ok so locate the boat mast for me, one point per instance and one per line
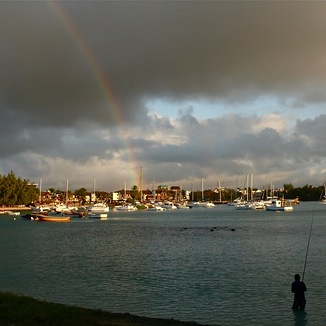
(202, 189)
(40, 195)
(251, 187)
(67, 191)
(154, 191)
(192, 190)
(94, 195)
(219, 190)
(247, 187)
(141, 184)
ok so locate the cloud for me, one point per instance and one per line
(77, 78)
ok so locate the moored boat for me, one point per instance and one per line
(126, 208)
(98, 208)
(182, 206)
(209, 205)
(156, 208)
(322, 199)
(243, 206)
(258, 205)
(169, 205)
(98, 216)
(41, 209)
(60, 208)
(12, 213)
(47, 218)
(278, 205)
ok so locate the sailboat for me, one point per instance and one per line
(244, 204)
(99, 209)
(322, 199)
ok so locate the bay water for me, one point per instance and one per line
(215, 266)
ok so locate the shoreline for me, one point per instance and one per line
(22, 310)
(15, 208)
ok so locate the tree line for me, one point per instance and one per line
(16, 191)
(288, 191)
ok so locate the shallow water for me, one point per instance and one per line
(182, 264)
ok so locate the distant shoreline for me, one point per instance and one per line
(15, 208)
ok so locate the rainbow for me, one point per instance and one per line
(112, 102)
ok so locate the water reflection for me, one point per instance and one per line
(300, 318)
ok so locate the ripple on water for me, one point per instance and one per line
(188, 266)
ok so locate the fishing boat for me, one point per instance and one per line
(278, 205)
(47, 218)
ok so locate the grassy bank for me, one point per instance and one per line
(16, 310)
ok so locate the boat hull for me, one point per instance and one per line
(102, 216)
(57, 219)
(279, 209)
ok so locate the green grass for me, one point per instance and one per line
(17, 310)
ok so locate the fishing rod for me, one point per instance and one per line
(305, 262)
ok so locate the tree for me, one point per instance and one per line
(81, 194)
(15, 191)
(135, 193)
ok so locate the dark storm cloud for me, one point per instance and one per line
(73, 71)
(150, 49)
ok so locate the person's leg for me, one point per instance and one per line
(303, 305)
(295, 305)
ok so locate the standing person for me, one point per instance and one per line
(298, 288)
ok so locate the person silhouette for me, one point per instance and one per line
(298, 288)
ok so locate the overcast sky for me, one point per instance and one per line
(186, 90)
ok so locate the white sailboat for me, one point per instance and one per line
(98, 208)
(322, 199)
(244, 204)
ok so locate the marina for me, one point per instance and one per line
(217, 266)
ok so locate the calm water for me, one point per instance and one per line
(184, 264)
